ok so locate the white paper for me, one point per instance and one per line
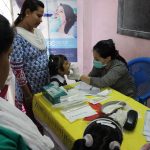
(84, 86)
(97, 99)
(147, 121)
(78, 112)
(146, 131)
(73, 97)
(147, 138)
(90, 90)
(73, 94)
(104, 93)
(110, 108)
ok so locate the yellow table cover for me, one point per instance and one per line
(69, 132)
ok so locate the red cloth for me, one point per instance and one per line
(4, 92)
(98, 108)
(19, 73)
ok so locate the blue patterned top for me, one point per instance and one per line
(30, 66)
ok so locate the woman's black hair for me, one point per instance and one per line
(106, 48)
(70, 17)
(32, 5)
(6, 34)
(106, 134)
(55, 63)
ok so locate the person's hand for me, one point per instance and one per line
(74, 73)
(146, 146)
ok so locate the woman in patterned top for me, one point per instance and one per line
(29, 59)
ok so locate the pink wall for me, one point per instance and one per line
(98, 21)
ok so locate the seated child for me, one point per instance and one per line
(58, 67)
(101, 134)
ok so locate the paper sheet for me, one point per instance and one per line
(146, 131)
(88, 88)
(78, 112)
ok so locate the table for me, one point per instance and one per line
(68, 132)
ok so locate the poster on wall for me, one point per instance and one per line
(59, 26)
(62, 28)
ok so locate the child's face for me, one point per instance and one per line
(66, 67)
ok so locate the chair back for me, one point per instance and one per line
(139, 68)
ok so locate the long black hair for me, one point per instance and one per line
(70, 17)
(32, 5)
(6, 34)
(101, 134)
(106, 48)
(55, 63)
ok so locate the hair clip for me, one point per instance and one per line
(88, 140)
(113, 145)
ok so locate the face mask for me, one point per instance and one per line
(98, 64)
(55, 24)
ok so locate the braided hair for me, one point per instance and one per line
(55, 63)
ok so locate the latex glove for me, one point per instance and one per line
(74, 73)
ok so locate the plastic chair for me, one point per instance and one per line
(139, 68)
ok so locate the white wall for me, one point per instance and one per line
(5, 9)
